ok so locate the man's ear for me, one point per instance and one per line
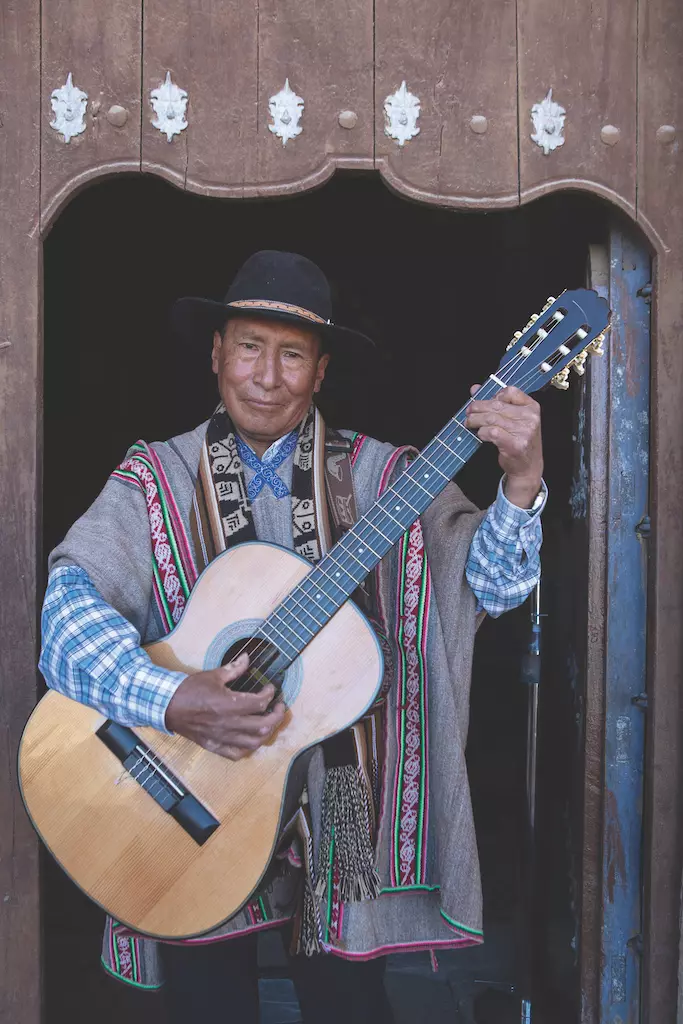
(215, 353)
(320, 375)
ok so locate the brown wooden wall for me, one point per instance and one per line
(611, 66)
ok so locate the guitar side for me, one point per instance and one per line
(114, 840)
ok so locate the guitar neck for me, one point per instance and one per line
(313, 602)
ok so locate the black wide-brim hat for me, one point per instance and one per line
(276, 286)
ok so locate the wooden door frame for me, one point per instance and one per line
(20, 552)
(613, 480)
(20, 430)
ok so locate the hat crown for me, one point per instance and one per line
(282, 277)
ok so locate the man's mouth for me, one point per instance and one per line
(261, 405)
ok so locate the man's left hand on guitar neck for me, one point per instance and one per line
(512, 422)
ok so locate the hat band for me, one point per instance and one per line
(280, 307)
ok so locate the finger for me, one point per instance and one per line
(231, 753)
(507, 444)
(497, 419)
(474, 389)
(528, 408)
(229, 673)
(257, 725)
(513, 396)
(242, 702)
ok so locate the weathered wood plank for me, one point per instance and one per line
(99, 44)
(660, 210)
(325, 50)
(592, 436)
(628, 360)
(232, 57)
(19, 424)
(211, 51)
(460, 61)
(586, 53)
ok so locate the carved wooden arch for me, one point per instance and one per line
(327, 170)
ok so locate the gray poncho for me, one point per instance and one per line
(426, 854)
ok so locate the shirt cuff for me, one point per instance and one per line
(151, 689)
(524, 516)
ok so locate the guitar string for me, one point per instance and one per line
(270, 658)
(264, 646)
(342, 552)
(308, 581)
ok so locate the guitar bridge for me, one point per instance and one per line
(159, 781)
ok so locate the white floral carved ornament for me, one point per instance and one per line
(169, 103)
(286, 109)
(548, 119)
(402, 110)
(68, 105)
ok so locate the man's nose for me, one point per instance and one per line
(267, 373)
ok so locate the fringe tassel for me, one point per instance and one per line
(309, 933)
(346, 816)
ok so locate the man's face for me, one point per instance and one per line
(267, 374)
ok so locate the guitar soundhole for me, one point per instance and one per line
(266, 664)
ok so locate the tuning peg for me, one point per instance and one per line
(549, 302)
(515, 338)
(596, 345)
(561, 379)
(578, 364)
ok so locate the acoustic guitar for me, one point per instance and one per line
(172, 840)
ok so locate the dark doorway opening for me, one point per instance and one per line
(442, 293)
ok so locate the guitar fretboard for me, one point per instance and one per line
(313, 602)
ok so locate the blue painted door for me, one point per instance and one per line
(615, 411)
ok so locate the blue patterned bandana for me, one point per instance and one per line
(264, 469)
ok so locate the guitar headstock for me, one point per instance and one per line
(557, 339)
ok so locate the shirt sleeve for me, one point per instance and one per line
(92, 654)
(504, 564)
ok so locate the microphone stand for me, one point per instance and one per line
(531, 677)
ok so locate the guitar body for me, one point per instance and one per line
(114, 840)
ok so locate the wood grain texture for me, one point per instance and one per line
(586, 52)
(460, 60)
(113, 839)
(20, 317)
(660, 211)
(325, 49)
(592, 646)
(232, 58)
(100, 45)
(211, 51)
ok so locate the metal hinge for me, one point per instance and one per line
(644, 528)
(636, 944)
(640, 701)
(645, 292)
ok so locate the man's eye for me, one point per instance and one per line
(248, 345)
(293, 355)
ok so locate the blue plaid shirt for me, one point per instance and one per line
(93, 655)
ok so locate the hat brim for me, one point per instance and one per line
(196, 319)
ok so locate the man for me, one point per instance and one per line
(379, 853)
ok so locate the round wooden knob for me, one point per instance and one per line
(610, 135)
(478, 124)
(348, 119)
(117, 116)
(666, 133)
